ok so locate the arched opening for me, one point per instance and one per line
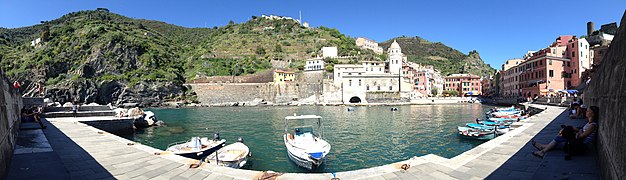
(355, 100)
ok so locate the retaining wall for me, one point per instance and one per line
(10, 105)
(216, 93)
(606, 90)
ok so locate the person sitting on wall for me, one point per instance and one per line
(28, 115)
(573, 136)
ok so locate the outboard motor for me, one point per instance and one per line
(216, 136)
(240, 139)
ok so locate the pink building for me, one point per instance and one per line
(554, 68)
(465, 84)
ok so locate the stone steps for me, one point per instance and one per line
(79, 114)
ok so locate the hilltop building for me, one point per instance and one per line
(365, 43)
(329, 52)
(314, 64)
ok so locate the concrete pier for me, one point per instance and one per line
(88, 152)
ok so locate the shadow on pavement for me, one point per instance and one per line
(67, 160)
(523, 165)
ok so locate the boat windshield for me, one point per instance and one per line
(303, 129)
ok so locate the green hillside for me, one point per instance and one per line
(444, 58)
(103, 57)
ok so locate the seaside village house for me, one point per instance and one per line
(549, 70)
(393, 79)
(281, 76)
(465, 84)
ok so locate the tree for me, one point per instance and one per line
(45, 34)
(260, 50)
(435, 91)
(278, 48)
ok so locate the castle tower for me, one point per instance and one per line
(395, 58)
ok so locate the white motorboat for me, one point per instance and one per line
(197, 148)
(305, 146)
(234, 155)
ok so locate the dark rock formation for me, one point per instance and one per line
(606, 90)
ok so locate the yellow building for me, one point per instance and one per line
(284, 76)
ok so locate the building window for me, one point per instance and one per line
(367, 87)
(551, 73)
(359, 82)
(550, 62)
(568, 64)
(390, 88)
(338, 74)
(573, 54)
(540, 62)
(581, 44)
(379, 88)
(349, 82)
(349, 73)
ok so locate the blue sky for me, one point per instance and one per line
(499, 30)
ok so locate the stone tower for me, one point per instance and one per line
(395, 58)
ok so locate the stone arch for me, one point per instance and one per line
(355, 99)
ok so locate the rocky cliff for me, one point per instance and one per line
(606, 90)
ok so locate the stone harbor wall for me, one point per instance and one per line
(228, 93)
(10, 105)
(384, 97)
(607, 90)
(118, 127)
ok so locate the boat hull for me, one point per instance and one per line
(233, 155)
(304, 162)
(201, 154)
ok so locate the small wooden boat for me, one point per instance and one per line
(197, 148)
(234, 155)
(476, 134)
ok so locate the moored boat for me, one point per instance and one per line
(234, 155)
(476, 134)
(305, 146)
(197, 148)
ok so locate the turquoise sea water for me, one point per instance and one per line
(366, 137)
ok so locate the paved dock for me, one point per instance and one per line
(84, 152)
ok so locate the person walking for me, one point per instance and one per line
(74, 108)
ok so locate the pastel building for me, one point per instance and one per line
(281, 76)
(509, 77)
(465, 84)
(425, 79)
(365, 43)
(551, 69)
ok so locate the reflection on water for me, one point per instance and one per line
(366, 137)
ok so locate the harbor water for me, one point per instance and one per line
(363, 138)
